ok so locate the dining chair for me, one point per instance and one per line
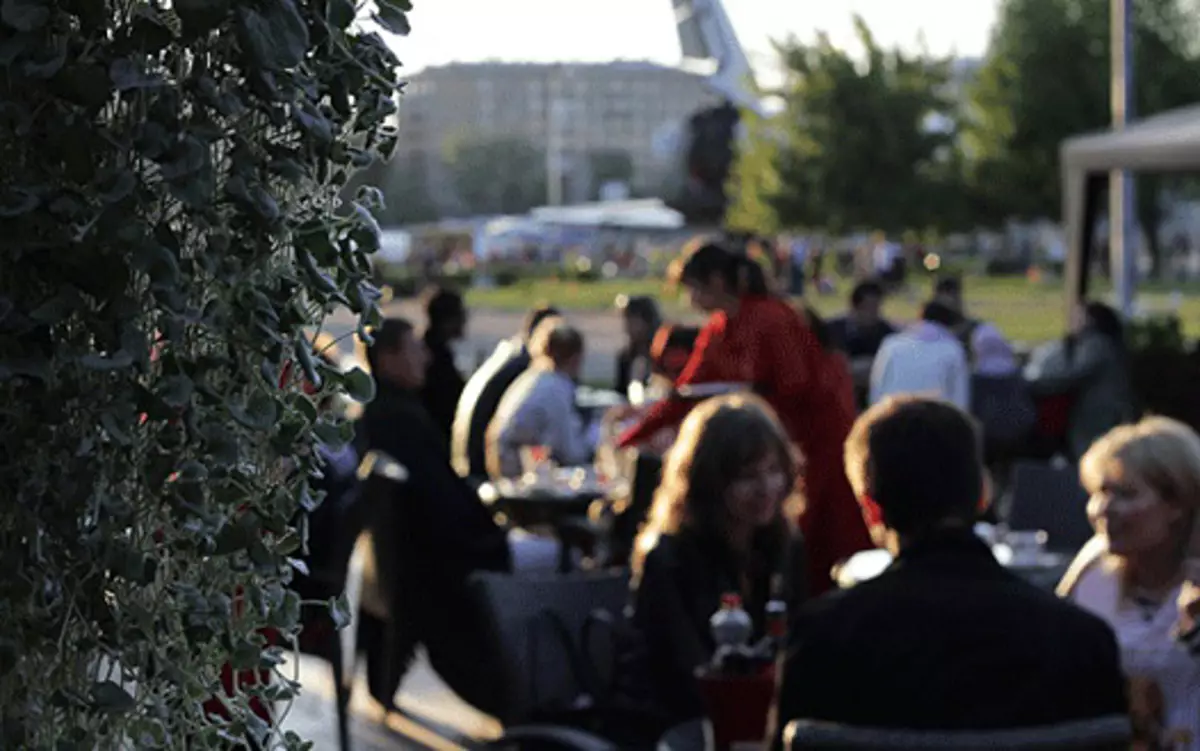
(1110, 733)
(1049, 498)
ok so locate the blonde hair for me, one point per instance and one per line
(716, 442)
(1165, 453)
(1162, 452)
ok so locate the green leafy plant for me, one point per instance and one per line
(170, 235)
(1162, 332)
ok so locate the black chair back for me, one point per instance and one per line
(1100, 734)
(1050, 498)
(538, 625)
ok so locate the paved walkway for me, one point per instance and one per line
(313, 714)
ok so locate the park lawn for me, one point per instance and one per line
(1026, 311)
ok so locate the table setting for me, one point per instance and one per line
(1021, 551)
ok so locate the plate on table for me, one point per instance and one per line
(716, 388)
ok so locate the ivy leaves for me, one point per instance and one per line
(392, 15)
(173, 237)
(272, 33)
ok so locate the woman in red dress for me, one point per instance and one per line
(756, 338)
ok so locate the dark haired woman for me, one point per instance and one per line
(642, 319)
(1090, 369)
(719, 524)
(753, 337)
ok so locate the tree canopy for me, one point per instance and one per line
(496, 175)
(862, 143)
(1046, 78)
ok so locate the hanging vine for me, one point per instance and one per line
(170, 235)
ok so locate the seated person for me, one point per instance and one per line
(431, 523)
(860, 333)
(720, 523)
(926, 358)
(539, 408)
(1144, 481)
(669, 353)
(946, 638)
(481, 396)
(641, 318)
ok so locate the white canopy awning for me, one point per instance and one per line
(1168, 142)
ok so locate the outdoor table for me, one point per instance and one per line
(557, 500)
(592, 400)
(1045, 570)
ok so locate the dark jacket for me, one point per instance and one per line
(680, 588)
(443, 386)
(626, 375)
(947, 639)
(430, 531)
(456, 528)
(477, 406)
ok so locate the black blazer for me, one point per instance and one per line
(947, 639)
(681, 585)
(443, 386)
(477, 406)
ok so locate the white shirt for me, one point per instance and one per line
(1148, 647)
(539, 410)
(925, 359)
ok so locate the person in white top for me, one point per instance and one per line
(925, 359)
(1141, 574)
(539, 408)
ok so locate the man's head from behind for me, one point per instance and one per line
(447, 314)
(866, 301)
(916, 466)
(948, 290)
(396, 356)
(557, 345)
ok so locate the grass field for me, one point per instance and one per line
(1026, 311)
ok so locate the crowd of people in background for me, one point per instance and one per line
(849, 434)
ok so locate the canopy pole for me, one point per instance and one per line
(1122, 201)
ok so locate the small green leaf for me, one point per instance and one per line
(116, 361)
(192, 471)
(127, 75)
(110, 697)
(339, 611)
(340, 13)
(360, 386)
(272, 34)
(245, 655)
(288, 544)
(15, 202)
(24, 15)
(176, 391)
(390, 14)
(366, 234)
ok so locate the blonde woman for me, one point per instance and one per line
(719, 524)
(1140, 573)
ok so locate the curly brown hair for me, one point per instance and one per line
(717, 441)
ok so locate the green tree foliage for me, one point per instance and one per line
(854, 147)
(1046, 78)
(167, 208)
(496, 175)
(754, 179)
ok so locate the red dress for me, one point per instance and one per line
(767, 343)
